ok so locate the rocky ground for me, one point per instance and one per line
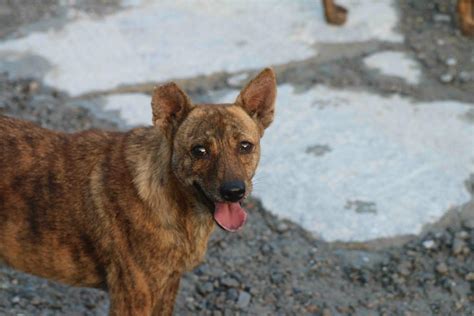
(273, 267)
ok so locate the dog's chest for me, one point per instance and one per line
(196, 226)
(196, 247)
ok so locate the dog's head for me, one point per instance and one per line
(216, 148)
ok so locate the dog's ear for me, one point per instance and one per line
(258, 97)
(170, 105)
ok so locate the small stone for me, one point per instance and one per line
(254, 291)
(35, 301)
(16, 299)
(442, 268)
(244, 299)
(429, 244)
(405, 268)
(446, 78)
(458, 246)
(326, 312)
(229, 282)
(441, 18)
(33, 86)
(451, 61)
(462, 235)
(282, 227)
(469, 277)
(469, 224)
(205, 288)
(311, 308)
(266, 249)
(276, 277)
(216, 313)
(232, 294)
(440, 42)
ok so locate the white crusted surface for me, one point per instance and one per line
(410, 160)
(397, 64)
(157, 41)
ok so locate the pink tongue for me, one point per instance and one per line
(230, 216)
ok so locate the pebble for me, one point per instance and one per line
(205, 288)
(458, 246)
(36, 301)
(16, 299)
(469, 276)
(229, 282)
(441, 18)
(326, 312)
(446, 78)
(451, 61)
(429, 244)
(266, 249)
(232, 294)
(282, 227)
(469, 224)
(244, 299)
(254, 291)
(442, 268)
(33, 87)
(462, 235)
(276, 277)
(405, 268)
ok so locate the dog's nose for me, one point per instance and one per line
(232, 191)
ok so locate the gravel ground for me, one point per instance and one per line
(274, 267)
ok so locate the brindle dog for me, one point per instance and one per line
(130, 212)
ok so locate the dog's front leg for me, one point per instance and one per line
(165, 304)
(129, 293)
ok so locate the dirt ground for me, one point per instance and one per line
(274, 267)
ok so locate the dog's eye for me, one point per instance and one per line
(246, 147)
(199, 151)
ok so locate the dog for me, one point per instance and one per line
(129, 212)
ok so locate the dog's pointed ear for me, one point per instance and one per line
(170, 105)
(258, 97)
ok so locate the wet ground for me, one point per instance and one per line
(275, 267)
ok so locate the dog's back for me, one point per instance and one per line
(43, 194)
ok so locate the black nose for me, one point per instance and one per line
(232, 191)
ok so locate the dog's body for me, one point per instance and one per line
(130, 212)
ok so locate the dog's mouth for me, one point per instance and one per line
(230, 216)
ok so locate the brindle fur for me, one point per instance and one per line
(120, 211)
